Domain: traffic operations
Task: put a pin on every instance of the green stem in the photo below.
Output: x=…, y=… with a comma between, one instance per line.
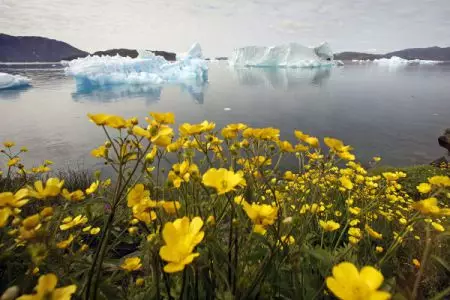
x=423, y=263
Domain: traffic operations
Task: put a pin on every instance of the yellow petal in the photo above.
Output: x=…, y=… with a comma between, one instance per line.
x=345, y=271
x=196, y=225
x=173, y=267
x=46, y=284
x=64, y=293
x=380, y=295
x=372, y=277
x=338, y=289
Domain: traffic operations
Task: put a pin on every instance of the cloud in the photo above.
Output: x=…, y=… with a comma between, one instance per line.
x=221, y=25
x=290, y=26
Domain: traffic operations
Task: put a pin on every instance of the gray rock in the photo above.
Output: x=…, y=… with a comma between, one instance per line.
x=444, y=140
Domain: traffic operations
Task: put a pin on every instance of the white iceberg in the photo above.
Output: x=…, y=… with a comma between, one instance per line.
x=291, y=55
x=194, y=52
x=396, y=61
x=8, y=81
x=145, y=69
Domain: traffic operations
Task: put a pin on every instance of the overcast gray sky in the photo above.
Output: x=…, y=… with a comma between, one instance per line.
x=221, y=25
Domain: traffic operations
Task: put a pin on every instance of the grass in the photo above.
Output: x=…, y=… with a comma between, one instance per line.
x=416, y=175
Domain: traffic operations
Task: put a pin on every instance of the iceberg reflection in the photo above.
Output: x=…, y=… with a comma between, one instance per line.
x=149, y=93
x=13, y=93
x=281, y=78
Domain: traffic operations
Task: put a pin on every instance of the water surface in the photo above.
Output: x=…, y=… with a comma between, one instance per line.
x=397, y=113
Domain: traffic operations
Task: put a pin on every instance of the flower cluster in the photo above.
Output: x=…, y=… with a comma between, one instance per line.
x=204, y=213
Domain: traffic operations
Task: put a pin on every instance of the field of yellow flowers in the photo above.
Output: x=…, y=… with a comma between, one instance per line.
x=210, y=214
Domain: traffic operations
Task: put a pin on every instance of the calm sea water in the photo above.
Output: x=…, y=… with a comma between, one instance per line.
x=397, y=113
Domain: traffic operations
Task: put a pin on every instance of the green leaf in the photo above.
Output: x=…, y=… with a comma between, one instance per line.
x=441, y=262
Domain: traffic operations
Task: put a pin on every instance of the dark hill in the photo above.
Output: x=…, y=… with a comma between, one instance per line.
x=34, y=49
x=431, y=53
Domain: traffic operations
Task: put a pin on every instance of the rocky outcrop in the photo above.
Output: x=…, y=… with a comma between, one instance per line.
x=444, y=140
x=34, y=49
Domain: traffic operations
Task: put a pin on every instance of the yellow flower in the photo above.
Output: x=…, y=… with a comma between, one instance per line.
x=187, y=129
x=336, y=145
x=113, y=121
x=379, y=249
x=346, y=182
x=163, y=118
x=52, y=188
x=373, y=233
x=101, y=151
x=211, y=220
x=393, y=176
x=354, y=210
x=265, y=134
x=312, y=141
x=14, y=200
x=9, y=144
x=12, y=162
x=438, y=227
x=170, y=207
x=131, y=264
x=69, y=222
x=182, y=173
x=287, y=239
x=232, y=130
x=46, y=289
x=347, y=283
x=416, y=263
x=92, y=188
x=30, y=226
x=137, y=194
x=144, y=211
x=133, y=230
x=424, y=188
x=346, y=155
x=180, y=237
x=441, y=181
x=46, y=212
x=355, y=232
x=427, y=206
x=31, y=222
x=94, y=231
x=376, y=158
x=329, y=225
x=137, y=130
x=285, y=146
x=222, y=180
x=78, y=195
x=66, y=243
x=260, y=214
x=152, y=154
x=140, y=281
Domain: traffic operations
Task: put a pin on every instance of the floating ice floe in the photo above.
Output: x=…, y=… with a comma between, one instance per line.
x=8, y=81
x=145, y=69
x=398, y=61
x=361, y=61
x=291, y=55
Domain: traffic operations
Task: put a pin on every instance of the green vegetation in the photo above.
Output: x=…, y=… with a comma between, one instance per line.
x=224, y=222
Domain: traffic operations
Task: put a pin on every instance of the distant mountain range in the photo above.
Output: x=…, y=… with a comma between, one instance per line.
x=40, y=49
x=430, y=53
x=34, y=49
